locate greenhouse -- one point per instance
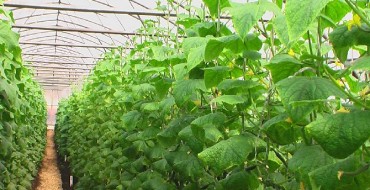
(185, 94)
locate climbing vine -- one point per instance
(256, 104)
(22, 113)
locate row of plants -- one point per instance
(261, 104)
(22, 113)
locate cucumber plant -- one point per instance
(22, 113)
(256, 104)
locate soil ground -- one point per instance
(49, 177)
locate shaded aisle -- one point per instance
(49, 175)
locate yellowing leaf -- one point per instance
(291, 53)
(340, 174)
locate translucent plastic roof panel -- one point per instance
(63, 39)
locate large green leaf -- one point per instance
(228, 153)
(240, 181)
(341, 134)
(184, 89)
(282, 66)
(187, 136)
(300, 14)
(362, 63)
(281, 27)
(307, 159)
(8, 37)
(205, 127)
(328, 177)
(214, 75)
(9, 91)
(335, 11)
(215, 5)
(280, 130)
(342, 39)
(130, 119)
(230, 99)
(245, 17)
(306, 91)
(213, 49)
(196, 57)
(186, 164)
(230, 84)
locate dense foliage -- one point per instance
(268, 106)
(22, 114)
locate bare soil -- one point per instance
(49, 177)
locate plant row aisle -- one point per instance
(264, 107)
(22, 113)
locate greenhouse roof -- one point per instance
(63, 39)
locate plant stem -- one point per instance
(350, 96)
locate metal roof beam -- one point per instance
(57, 62)
(66, 45)
(58, 55)
(84, 30)
(56, 67)
(76, 9)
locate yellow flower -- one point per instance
(342, 110)
(291, 53)
(340, 82)
(289, 120)
(250, 73)
(197, 102)
(338, 64)
(231, 65)
(364, 92)
(356, 21)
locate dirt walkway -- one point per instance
(49, 176)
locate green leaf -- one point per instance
(362, 63)
(130, 119)
(326, 178)
(281, 27)
(335, 10)
(214, 75)
(240, 181)
(341, 134)
(282, 66)
(307, 159)
(169, 135)
(245, 17)
(214, 6)
(186, 164)
(207, 133)
(205, 127)
(230, 84)
(233, 43)
(228, 153)
(187, 136)
(230, 99)
(213, 49)
(342, 39)
(300, 14)
(9, 91)
(281, 131)
(196, 57)
(184, 89)
(193, 42)
(212, 118)
(8, 37)
(305, 89)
